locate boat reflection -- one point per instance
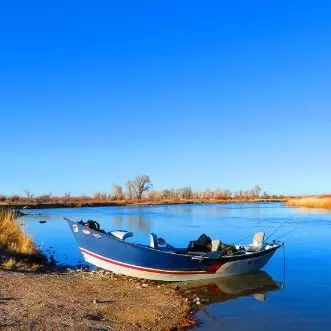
(227, 288)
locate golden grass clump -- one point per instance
(311, 202)
(10, 263)
(13, 239)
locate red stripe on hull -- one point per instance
(210, 270)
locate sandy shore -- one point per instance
(79, 300)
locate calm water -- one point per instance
(303, 304)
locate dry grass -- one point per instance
(12, 237)
(311, 202)
(15, 244)
(9, 263)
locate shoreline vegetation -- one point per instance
(17, 248)
(323, 202)
(96, 203)
(139, 191)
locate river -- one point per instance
(294, 293)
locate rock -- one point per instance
(144, 285)
(42, 222)
(96, 301)
(94, 317)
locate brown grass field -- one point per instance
(311, 202)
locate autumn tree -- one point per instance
(136, 187)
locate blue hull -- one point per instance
(111, 253)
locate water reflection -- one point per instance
(138, 223)
(224, 289)
(118, 220)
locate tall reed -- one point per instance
(311, 202)
(13, 240)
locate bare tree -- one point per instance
(130, 192)
(166, 194)
(136, 187)
(117, 192)
(257, 190)
(186, 192)
(28, 194)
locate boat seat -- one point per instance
(153, 240)
(257, 244)
(215, 245)
(121, 234)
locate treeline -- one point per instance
(141, 189)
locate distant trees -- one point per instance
(102, 196)
(257, 191)
(186, 193)
(136, 187)
(28, 194)
(117, 193)
(166, 194)
(141, 188)
(43, 198)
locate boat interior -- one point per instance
(215, 249)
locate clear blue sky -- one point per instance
(202, 93)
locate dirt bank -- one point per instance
(88, 301)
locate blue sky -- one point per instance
(202, 93)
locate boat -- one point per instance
(161, 261)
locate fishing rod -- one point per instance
(249, 236)
(272, 233)
(286, 233)
(277, 229)
(237, 242)
(284, 266)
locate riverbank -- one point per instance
(89, 300)
(38, 295)
(33, 205)
(311, 202)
